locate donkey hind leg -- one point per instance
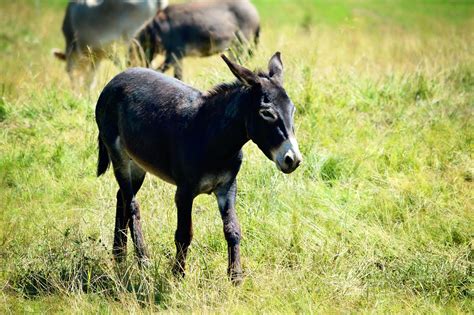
(130, 178)
(138, 175)
(119, 249)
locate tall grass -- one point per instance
(378, 218)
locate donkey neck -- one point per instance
(223, 117)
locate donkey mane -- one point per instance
(223, 89)
(226, 88)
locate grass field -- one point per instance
(379, 217)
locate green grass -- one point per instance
(379, 217)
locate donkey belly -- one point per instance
(204, 37)
(160, 171)
(152, 157)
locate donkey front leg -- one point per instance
(184, 232)
(178, 68)
(173, 60)
(226, 200)
(167, 63)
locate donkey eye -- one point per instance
(268, 114)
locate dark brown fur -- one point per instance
(149, 122)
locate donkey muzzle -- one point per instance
(287, 156)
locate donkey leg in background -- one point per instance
(184, 231)
(90, 79)
(167, 63)
(173, 60)
(94, 59)
(226, 202)
(74, 69)
(178, 67)
(72, 54)
(81, 69)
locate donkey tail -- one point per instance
(59, 54)
(103, 161)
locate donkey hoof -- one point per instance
(144, 262)
(119, 259)
(178, 271)
(236, 278)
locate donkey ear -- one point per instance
(275, 67)
(244, 75)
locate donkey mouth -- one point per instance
(287, 169)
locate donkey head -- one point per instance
(147, 42)
(269, 121)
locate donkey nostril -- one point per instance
(288, 160)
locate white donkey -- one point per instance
(91, 26)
